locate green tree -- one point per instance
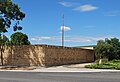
(10, 15)
(19, 38)
(10, 12)
(102, 50)
(114, 42)
(110, 48)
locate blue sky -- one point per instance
(86, 21)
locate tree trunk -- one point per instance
(11, 55)
(100, 61)
(1, 55)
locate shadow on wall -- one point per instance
(45, 55)
(24, 56)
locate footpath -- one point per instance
(65, 68)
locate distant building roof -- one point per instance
(91, 47)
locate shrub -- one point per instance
(114, 64)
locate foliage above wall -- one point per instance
(19, 38)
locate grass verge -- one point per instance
(114, 64)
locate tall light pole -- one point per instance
(62, 30)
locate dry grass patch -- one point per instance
(17, 68)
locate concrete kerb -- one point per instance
(95, 71)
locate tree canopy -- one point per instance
(10, 16)
(10, 12)
(108, 48)
(4, 40)
(19, 38)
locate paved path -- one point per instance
(69, 69)
(73, 68)
(66, 68)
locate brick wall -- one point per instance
(45, 55)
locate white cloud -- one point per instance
(113, 13)
(84, 39)
(66, 4)
(72, 39)
(85, 8)
(78, 39)
(41, 38)
(65, 28)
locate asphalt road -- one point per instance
(59, 77)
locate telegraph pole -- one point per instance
(63, 30)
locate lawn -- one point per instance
(114, 64)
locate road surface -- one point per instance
(59, 77)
